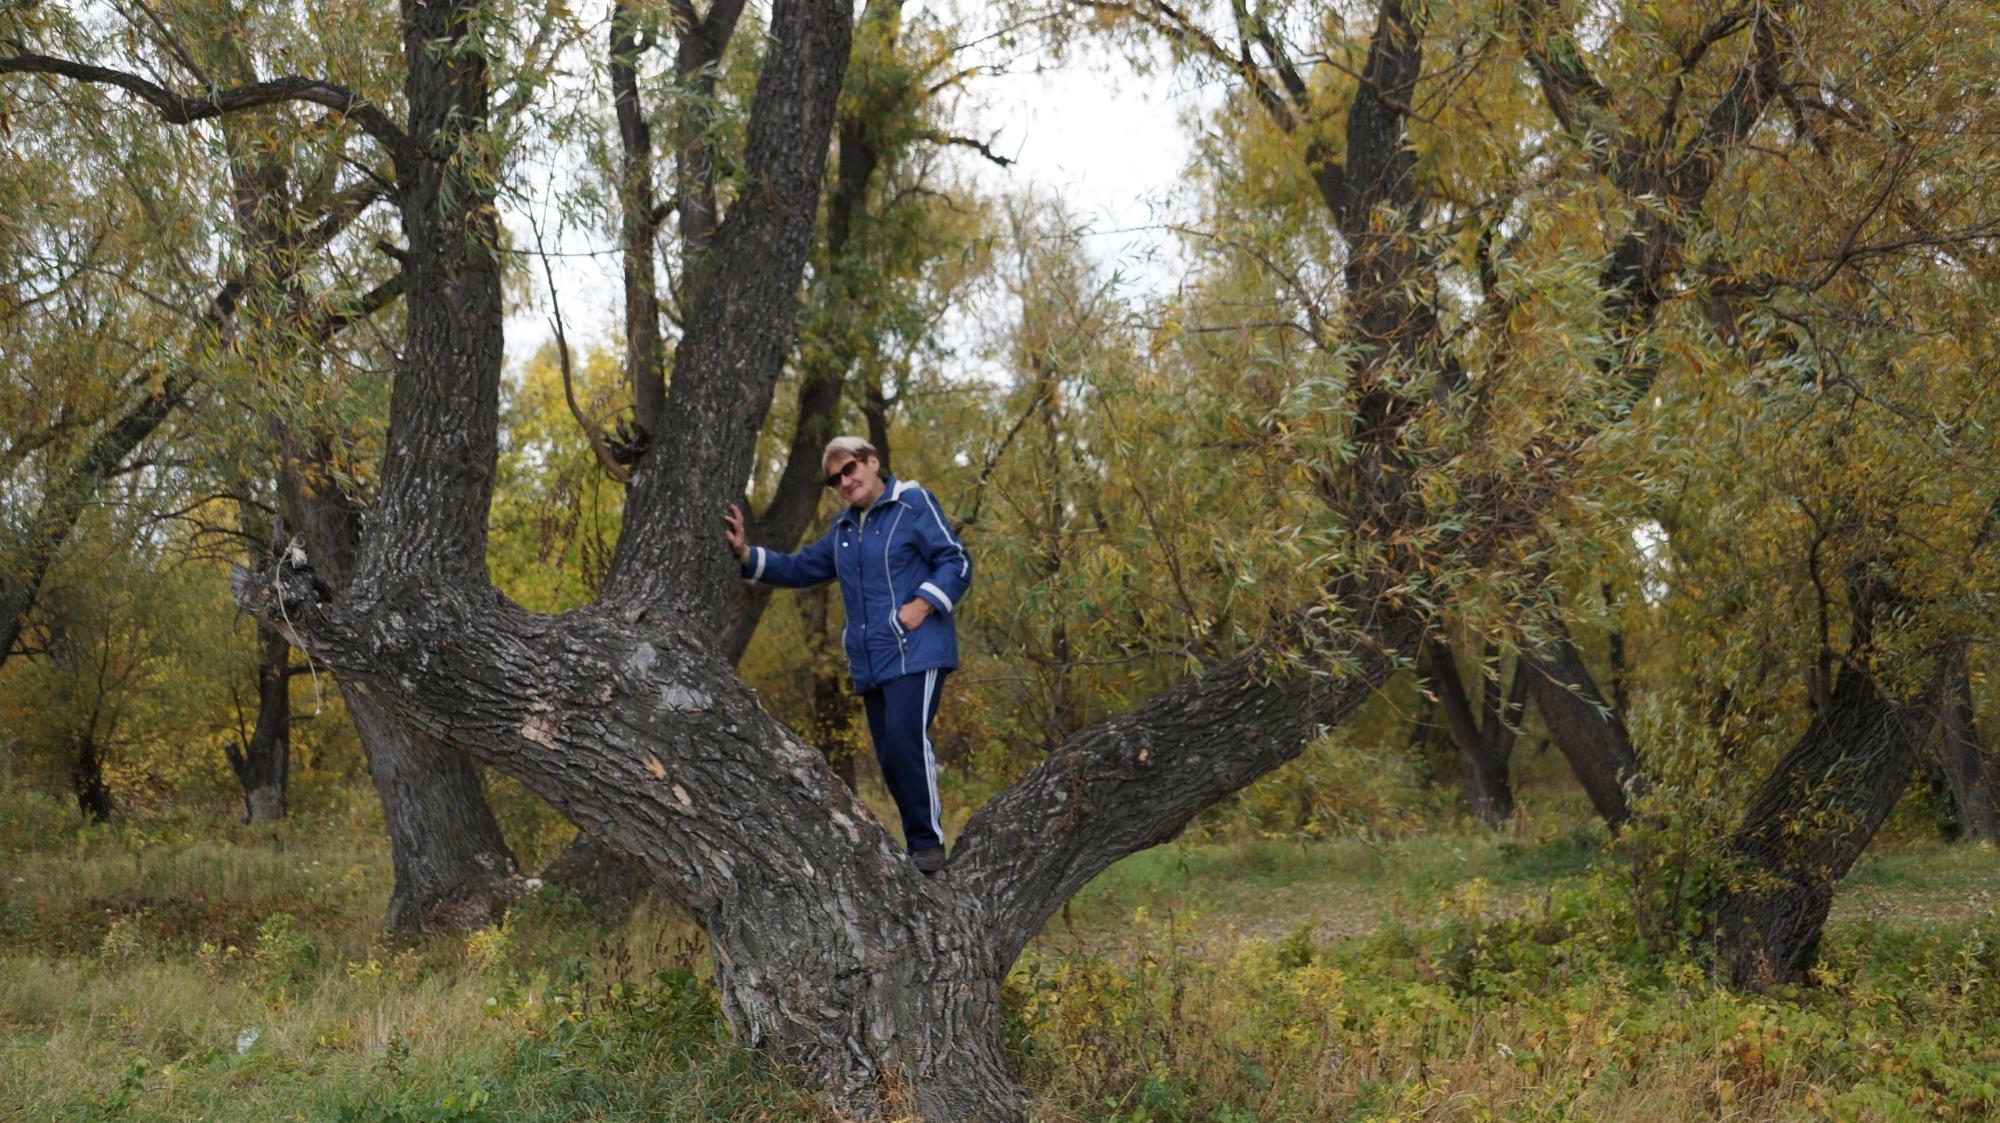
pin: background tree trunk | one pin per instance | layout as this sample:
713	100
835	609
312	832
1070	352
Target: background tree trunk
452	866
608	881
1583	726
1973	772
93	796
453	870
1813	816
1485	741
264	766
832	699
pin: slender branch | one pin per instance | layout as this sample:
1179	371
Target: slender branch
984	148
1288	75
597	446
1322	329
179	109
342	211
1567	84
1181	30
171	41
971	516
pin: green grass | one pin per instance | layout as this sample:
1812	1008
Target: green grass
173	972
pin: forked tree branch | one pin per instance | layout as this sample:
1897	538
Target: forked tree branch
743	322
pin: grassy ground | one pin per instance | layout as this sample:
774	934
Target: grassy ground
194	971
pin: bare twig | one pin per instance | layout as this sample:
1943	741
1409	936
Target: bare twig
597	446
984	148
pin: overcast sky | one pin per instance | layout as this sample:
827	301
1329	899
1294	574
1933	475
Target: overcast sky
1110	144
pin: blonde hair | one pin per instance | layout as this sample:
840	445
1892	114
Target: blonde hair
851	446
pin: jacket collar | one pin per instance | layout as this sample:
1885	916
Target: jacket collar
892	492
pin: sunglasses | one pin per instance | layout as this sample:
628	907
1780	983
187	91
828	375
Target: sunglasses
834	479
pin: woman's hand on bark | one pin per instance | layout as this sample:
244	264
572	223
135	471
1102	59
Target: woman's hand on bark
732	533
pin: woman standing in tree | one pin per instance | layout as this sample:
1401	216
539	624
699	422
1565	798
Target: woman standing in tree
902	572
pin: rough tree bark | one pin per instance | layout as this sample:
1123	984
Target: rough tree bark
452	868
824	369
611	882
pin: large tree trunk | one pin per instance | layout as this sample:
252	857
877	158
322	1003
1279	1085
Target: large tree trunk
832	301
263	767
831	949
1812	818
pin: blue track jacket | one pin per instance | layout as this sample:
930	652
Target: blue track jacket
900	548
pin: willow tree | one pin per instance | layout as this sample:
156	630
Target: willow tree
829	948
288	224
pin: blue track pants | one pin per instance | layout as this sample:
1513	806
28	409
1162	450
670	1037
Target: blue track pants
899	720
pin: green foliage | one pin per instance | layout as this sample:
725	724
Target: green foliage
285	957
556	513
1482	1005
1443	975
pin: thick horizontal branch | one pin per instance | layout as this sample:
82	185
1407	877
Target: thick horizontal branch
179	109
636	734
1137	780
